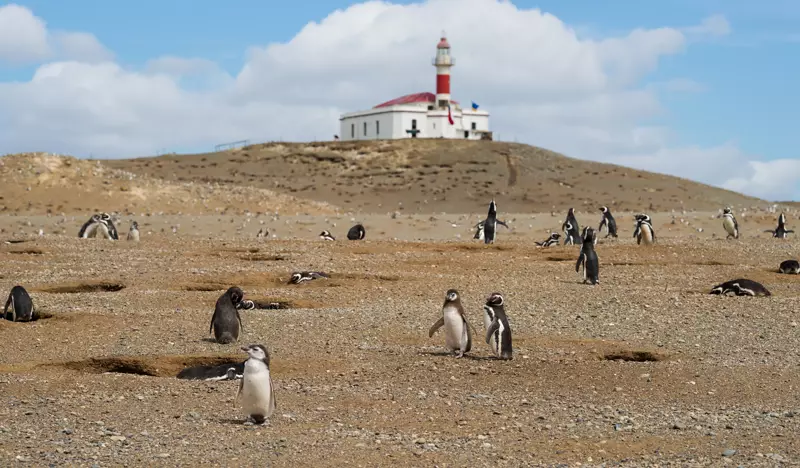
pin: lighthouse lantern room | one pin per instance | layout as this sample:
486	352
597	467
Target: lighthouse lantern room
420	115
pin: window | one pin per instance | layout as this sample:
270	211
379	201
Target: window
413	124
434	125
365	129
352	130
377	127
474	126
466	134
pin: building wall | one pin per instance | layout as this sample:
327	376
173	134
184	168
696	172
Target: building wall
394	123
480	119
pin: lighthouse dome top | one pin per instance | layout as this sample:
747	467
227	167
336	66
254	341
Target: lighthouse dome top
443	44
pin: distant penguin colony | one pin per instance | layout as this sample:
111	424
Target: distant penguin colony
729	224
572	231
740	287
19	306
256	393
588	258
552	240
498	330
780	231
789	267
226	322
325	235
608	222
644	231
457	335
356	232
303	276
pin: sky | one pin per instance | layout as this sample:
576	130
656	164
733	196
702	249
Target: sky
701	89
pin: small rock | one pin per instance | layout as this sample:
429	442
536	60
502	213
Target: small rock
729	453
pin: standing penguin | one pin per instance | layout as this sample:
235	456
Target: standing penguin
356	232
133	232
498	331
256	391
22	309
89	228
110	228
226	321
588	258
780	231
730	224
608	221
570	227
644	230
457	336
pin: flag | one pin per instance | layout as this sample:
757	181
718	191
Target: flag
474	106
449	115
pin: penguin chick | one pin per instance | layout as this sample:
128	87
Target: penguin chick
741	287
729	224
226	321
457	336
608	221
552	240
789	267
572	232
588	258
301	276
498	330
256	394
325	235
21	306
644	230
133	232
356	232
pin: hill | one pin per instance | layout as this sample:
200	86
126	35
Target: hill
428	176
41	182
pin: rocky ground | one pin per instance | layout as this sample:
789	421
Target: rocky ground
645	369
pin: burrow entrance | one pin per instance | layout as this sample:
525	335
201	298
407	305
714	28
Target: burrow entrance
82	287
153	366
634	356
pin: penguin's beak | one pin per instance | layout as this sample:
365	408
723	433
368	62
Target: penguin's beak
245	349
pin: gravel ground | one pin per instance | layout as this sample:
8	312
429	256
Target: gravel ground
359	383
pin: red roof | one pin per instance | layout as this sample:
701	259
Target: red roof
443	44
411	99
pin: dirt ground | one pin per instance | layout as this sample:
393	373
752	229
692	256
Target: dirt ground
645	369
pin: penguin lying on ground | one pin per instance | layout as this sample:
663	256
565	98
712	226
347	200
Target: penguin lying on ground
357	232
790	267
226	322
19	306
213	373
498	330
552	240
256	393
325	235
302	276
588	258
608	221
457	335
740	287
780	231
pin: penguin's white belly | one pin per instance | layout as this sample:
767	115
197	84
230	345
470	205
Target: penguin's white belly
133	236
647	235
729	227
102	232
496	341
257	390
91	231
453	328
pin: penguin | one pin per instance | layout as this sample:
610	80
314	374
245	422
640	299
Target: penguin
479	231
356	232
644	230
244	304
588	258
572	231
608	221
301	276
552	240
262	233
133	232
498	331
487	229
226	321
21	306
89	228
457	335
780	231
213	373
110	227
256	393
325	235
730	224
741	287
790	267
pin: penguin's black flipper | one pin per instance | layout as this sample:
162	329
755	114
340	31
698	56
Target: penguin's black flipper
5	309
439	324
239	318
492	328
211	325
581	259
502	223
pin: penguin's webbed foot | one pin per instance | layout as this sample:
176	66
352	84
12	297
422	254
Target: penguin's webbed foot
459	354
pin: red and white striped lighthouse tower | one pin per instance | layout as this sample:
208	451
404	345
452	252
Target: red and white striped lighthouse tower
443	62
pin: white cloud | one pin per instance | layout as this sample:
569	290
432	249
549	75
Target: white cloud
80	46
543	83
23	36
778	179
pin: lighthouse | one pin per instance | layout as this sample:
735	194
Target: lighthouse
443	61
421	114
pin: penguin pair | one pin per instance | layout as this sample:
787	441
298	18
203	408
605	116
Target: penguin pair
487	229
571	229
588	258
552	240
226	321
457	330
741	287
729	224
644	231
262	232
99	225
19	306
780	231
357	232
303	276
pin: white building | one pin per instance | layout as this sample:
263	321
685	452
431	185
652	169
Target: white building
421	115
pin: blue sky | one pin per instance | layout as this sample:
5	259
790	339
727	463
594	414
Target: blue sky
745	79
